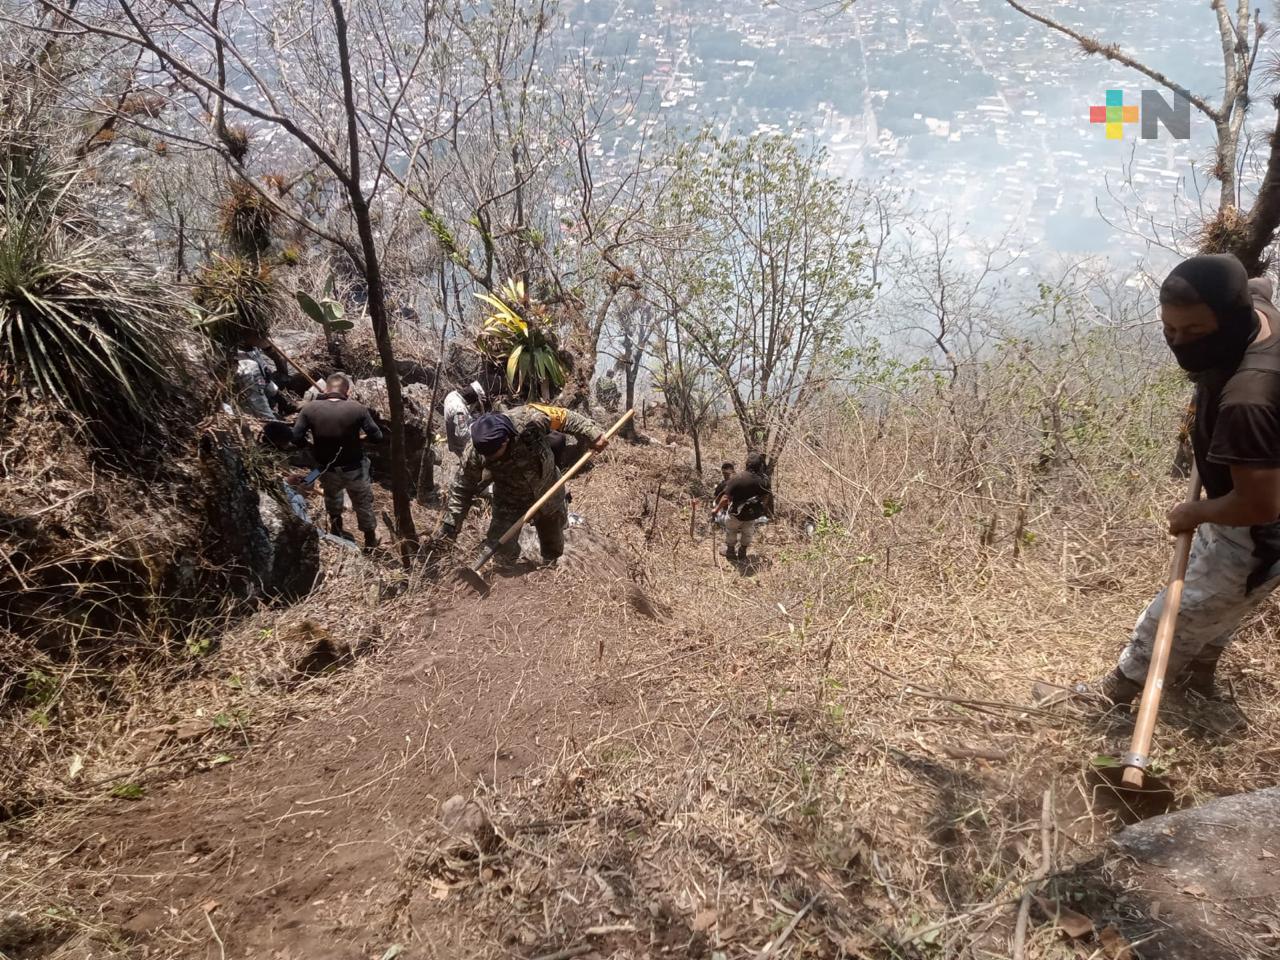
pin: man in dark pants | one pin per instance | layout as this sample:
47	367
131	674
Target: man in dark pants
335	423
1225	332
515	448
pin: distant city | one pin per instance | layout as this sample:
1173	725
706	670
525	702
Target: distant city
968	105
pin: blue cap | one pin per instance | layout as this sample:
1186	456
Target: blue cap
490	431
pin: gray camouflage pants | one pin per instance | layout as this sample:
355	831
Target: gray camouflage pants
550	522
738	534
354	482
1214	602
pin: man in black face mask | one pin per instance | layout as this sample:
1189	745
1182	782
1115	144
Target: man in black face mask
1225	332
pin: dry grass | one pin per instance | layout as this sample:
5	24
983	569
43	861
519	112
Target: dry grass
833	754
837	755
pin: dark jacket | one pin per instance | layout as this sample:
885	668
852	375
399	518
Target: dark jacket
335	426
748	494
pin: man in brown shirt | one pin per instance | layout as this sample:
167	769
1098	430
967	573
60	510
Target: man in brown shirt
1224	331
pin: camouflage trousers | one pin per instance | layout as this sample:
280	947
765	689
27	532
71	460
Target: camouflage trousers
550	523
1214	602
353	482
738	534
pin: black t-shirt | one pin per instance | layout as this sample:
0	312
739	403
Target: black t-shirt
1237	423
748	495
335	425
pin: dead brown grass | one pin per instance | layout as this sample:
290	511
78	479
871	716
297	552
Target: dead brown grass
837	754
833	753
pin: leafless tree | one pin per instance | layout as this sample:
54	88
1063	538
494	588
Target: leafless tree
1247	234
521	192
345	99
943	293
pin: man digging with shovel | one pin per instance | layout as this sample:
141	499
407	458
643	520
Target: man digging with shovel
515	449
1225	332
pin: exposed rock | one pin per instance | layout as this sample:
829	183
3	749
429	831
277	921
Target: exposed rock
372	392
1207	878
267	543
466	822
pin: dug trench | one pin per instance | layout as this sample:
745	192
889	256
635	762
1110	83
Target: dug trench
647	752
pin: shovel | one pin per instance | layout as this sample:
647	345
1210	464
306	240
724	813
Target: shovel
471	575
1134	762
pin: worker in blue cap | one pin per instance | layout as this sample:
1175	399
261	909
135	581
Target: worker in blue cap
515	449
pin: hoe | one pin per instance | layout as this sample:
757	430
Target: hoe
471	575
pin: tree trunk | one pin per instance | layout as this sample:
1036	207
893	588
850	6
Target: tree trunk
629	431
377	304
427	468
1264	217
377	297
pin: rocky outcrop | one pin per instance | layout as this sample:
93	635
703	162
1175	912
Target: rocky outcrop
267	547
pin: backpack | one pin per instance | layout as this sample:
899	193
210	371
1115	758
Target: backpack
752	509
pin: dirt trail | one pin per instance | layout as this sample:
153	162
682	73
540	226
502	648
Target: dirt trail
296	851
832	748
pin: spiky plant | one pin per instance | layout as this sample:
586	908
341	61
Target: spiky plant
520	339
238	299
245	220
80	327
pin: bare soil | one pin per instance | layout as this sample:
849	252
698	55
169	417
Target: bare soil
831	752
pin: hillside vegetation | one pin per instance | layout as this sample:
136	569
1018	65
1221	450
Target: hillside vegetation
228	732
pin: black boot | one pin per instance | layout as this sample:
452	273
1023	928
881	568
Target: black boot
370	540
1200	676
335	528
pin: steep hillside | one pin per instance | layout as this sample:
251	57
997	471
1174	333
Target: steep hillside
642	752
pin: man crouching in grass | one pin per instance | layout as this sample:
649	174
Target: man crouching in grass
1225	332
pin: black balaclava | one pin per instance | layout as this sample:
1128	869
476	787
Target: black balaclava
1222	285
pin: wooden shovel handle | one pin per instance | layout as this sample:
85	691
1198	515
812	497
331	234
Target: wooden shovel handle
1140	746
299	367
514	530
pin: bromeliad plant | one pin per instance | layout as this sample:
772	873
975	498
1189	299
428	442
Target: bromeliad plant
238	300
80	327
520	338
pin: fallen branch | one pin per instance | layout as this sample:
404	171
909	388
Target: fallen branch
1046	859
768	949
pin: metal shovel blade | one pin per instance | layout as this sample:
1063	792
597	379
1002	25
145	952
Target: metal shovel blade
1131	803
473	580
471	575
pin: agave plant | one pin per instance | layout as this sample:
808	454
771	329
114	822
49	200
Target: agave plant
238	300
79	326
525	341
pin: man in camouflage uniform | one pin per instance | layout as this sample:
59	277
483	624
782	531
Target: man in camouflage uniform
514	448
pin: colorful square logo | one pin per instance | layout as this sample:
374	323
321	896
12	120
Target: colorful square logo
1114	114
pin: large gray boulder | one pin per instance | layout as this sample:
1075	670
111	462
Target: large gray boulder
1204	883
